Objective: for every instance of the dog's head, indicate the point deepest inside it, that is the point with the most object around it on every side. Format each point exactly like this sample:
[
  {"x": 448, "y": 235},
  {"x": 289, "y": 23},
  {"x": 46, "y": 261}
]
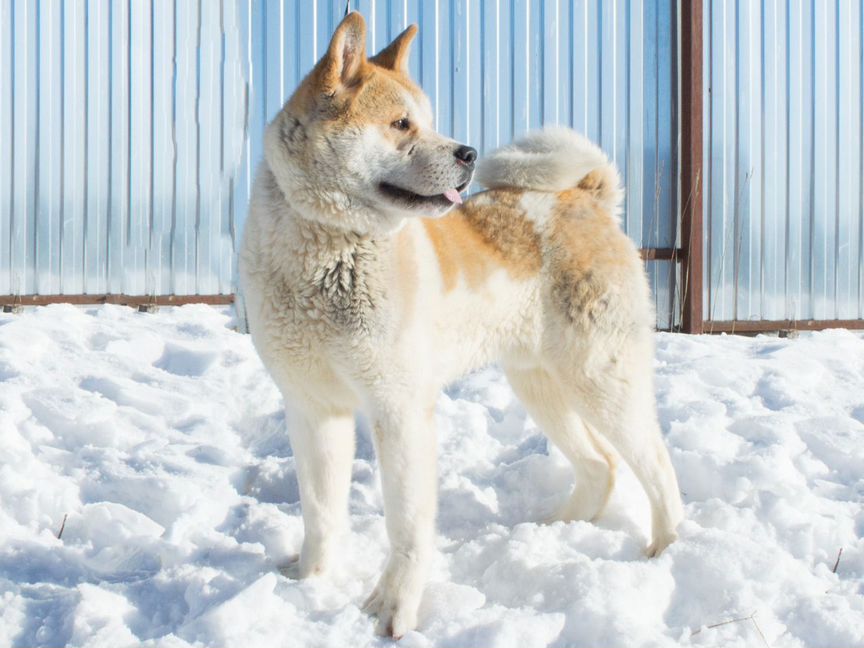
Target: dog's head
[{"x": 354, "y": 147}]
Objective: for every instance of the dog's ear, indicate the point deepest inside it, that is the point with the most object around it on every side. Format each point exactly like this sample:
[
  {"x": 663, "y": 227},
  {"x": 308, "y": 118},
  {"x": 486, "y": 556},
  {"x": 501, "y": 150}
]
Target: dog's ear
[
  {"x": 395, "y": 55},
  {"x": 346, "y": 55}
]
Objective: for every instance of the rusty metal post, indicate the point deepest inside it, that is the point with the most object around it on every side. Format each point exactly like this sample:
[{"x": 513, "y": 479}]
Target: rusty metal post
[{"x": 691, "y": 163}]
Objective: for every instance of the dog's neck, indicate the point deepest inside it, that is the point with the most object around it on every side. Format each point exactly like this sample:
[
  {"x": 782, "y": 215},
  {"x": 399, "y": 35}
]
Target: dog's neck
[{"x": 313, "y": 247}]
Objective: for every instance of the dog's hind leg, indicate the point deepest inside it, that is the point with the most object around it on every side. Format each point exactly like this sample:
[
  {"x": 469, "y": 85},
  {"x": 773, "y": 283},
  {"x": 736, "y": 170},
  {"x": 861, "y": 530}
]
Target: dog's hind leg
[
  {"x": 323, "y": 446},
  {"x": 621, "y": 408},
  {"x": 592, "y": 459}
]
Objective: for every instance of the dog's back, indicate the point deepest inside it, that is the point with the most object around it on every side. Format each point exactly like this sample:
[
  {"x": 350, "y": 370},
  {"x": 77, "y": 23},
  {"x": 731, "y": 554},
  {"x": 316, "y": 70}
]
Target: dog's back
[{"x": 549, "y": 217}]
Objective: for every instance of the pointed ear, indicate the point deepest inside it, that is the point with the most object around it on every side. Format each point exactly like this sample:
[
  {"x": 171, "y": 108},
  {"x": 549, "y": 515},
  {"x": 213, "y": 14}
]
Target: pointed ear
[
  {"x": 346, "y": 54},
  {"x": 395, "y": 55}
]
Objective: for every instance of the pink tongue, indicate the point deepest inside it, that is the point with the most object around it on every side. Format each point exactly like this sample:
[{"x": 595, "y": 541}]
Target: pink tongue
[{"x": 453, "y": 196}]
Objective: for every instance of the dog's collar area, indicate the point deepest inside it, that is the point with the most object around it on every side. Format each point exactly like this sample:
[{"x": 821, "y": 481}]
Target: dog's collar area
[{"x": 409, "y": 197}]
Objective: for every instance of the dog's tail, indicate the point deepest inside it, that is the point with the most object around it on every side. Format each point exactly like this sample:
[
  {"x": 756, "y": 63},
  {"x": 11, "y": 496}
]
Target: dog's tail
[{"x": 553, "y": 159}]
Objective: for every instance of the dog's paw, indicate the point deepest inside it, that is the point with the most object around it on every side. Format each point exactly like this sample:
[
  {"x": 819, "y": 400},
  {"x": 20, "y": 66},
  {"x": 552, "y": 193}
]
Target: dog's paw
[
  {"x": 574, "y": 511},
  {"x": 313, "y": 560},
  {"x": 291, "y": 567},
  {"x": 660, "y": 543},
  {"x": 579, "y": 507},
  {"x": 396, "y": 597}
]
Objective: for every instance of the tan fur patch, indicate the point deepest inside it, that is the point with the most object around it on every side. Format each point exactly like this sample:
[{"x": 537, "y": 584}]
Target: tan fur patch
[
  {"x": 376, "y": 96},
  {"x": 592, "y": 182},
  {"x": 380, "y": 98},
  {"x": 588, "y": 254},
  {"x": 488, "y": 233}
]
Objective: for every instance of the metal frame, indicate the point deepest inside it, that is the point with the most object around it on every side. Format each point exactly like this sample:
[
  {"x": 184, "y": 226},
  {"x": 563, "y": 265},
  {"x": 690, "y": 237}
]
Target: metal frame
[
  {"x": 124, "y": 300},
  {"x": 752, "y": 327},
  {"x": 691, "y": 164}
]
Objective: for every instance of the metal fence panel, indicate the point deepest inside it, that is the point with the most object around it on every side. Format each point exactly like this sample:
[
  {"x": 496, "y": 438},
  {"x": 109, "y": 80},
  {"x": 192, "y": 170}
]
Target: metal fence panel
[
  {"x": 130, "y": 129},
  {"x": 784, "y": 208}
]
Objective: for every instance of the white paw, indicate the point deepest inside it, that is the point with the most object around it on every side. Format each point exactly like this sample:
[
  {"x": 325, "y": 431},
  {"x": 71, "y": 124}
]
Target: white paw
[
  {"x": 396, "y": 597},
  {"x": 579, "y": 507},
  {"x": 572, "y": 513},
  {"x": 661, "y": 541},
  {"x": 291, "y": 567},
  {"x": 314, "y": 559}
]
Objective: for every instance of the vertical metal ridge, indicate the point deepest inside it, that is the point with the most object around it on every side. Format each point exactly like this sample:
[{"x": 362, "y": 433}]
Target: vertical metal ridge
[
  {"x": 152, "y": 122},
  {"x": 541, "y": 109},
  {"x": 451, "y": 71},
  {"x": 861, "y": 169},
  {"x": 481, "y": 18},
  {"x": 222, "y": 90},
  {"x": 787, "y": 301},
  {"x": 109, "y": 228},
  {"x": 761, "y": 153},
  {"x": 709, "y": 293},
  {"x": 37, "y": 143},
  {"x": 13, "y": 85},
  {"x": 12, "y": 121},
  {"x": 600, "y": 55},
  {"x": 172, "y": 235},
  {"x": 86, "y": 193},
  {"x": 197, "y": 244},
  {"x": 129, "y": 125},
  {"x": 812, "y": 215},
  {"x": 736, "y": 197},
  {"x": 571, "y": 66},
  {"x": 837, "y": 126}
]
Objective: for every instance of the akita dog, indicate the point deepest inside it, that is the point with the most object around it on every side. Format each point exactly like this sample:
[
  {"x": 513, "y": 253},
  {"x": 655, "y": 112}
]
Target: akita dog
[{"x": 362, "y": 295}]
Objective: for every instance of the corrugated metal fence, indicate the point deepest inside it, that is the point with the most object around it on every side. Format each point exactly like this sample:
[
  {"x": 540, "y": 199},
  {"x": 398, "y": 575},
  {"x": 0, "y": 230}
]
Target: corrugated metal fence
[
  {"x": 784, "y": 187},
  {"x": 122, "y": 126},
  {"x": 130, "y": 129}
]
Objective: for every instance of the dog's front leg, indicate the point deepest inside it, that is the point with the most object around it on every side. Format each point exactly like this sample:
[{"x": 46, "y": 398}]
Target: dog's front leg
[
  {"x": 323, "y": 446},
  {"x": 406, "y": 447}
]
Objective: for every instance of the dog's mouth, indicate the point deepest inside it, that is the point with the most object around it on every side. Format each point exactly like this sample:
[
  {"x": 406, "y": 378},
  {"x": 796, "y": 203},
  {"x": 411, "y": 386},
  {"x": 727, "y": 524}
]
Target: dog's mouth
[{"x": 412, "y": 199}]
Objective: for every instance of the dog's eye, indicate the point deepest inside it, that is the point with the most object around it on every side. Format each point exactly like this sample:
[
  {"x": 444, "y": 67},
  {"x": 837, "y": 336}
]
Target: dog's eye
[{"x": 401, "y": 124}]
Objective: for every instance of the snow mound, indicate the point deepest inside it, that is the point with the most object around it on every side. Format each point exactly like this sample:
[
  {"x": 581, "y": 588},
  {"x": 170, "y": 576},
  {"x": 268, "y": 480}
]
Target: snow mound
[{"x": 160, "y": 440}]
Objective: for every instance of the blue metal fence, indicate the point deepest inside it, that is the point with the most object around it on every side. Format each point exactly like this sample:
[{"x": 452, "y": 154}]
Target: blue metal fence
[
  {"x": 130, "y": 129},
  {"x": 784, "y": 160},
  {"x": 121, "y": 130}
]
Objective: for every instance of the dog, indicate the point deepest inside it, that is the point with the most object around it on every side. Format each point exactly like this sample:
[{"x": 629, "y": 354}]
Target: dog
[{"x": 370, "y": 284}]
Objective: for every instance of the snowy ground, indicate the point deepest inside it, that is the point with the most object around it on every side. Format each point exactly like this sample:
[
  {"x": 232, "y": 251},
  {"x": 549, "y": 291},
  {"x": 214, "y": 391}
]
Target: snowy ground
[{"x": 161, "y": 437}]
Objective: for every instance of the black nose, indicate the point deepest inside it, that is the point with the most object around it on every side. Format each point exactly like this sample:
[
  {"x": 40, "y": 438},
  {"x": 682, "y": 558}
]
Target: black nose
[{"x": 466, "y": 154}]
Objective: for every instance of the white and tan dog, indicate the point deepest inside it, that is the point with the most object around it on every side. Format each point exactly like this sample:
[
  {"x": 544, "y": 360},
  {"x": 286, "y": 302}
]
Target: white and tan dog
[{"x": 360, "y": 297}]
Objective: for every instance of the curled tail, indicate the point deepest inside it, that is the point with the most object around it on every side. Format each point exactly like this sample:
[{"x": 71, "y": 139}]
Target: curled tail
[{"x": 553, "y": 159}]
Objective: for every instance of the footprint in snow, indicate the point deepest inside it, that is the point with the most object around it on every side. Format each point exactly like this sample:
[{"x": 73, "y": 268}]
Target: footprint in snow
[{"x": 183, "y": 361}]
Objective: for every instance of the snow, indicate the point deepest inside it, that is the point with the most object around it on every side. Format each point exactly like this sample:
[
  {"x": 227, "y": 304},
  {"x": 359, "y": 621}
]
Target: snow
[{"x": 160, "y": 438}]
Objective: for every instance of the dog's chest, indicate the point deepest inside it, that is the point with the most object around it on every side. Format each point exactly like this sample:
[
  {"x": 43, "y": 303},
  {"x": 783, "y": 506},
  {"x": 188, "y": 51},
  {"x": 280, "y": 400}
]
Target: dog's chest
[
  {"x": 345, "y": 291},
  {"x": 332, "y": 299}
]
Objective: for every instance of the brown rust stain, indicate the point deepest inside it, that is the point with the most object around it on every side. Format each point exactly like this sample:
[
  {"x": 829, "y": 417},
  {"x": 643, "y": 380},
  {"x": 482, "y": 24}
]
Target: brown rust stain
[{"x": 487, "y": 233}]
